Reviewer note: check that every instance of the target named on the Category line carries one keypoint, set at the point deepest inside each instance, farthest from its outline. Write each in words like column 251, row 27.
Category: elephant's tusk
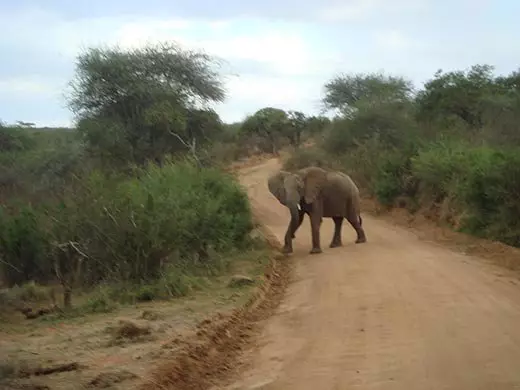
column 299, row 208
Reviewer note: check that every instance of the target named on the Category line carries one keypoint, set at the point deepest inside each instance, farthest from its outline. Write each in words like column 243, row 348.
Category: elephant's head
column 289, row 188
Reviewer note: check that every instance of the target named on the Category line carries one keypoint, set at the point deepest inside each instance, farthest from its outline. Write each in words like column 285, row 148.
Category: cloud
column 272, row 58
column 283, row 51
column 23, row 86
column 363, row 10
column 349, row 10
column 394, row 40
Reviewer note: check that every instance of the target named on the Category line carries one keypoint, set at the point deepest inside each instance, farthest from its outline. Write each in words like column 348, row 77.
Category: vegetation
column 450, row 150
column 135, row 198
column 131, row 199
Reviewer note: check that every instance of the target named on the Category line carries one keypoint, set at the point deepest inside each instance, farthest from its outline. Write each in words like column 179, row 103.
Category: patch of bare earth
column 114, row 350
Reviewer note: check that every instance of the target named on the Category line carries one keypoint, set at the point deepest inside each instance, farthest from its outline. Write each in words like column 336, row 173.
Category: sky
column 278, row 53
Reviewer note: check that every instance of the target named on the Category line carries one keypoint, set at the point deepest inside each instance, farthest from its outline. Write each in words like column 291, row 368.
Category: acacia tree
column 347, row 93
column 139, row 104
column 484, row 104
column 458, row 94
column 297, row 123
column 269, row 123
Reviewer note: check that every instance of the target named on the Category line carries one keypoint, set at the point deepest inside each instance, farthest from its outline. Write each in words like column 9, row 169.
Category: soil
column 408, row 309
column 114, row 350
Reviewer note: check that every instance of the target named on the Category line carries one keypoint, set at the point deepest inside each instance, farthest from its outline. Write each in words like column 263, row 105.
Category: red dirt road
column 394, row 313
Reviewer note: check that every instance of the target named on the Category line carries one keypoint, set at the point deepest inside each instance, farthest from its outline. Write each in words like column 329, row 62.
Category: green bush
column 393, row 177
column 24, row 246
column 489, row 193
column 304, row 157
column 130, row 228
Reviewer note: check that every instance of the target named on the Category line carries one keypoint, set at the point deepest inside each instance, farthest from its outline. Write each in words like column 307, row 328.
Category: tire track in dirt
column 393, row 313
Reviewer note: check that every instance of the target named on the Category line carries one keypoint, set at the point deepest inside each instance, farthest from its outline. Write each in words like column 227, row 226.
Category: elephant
column 318, row 193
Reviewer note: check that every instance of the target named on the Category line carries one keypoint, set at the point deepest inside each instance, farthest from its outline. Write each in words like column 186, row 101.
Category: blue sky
column 280, row 52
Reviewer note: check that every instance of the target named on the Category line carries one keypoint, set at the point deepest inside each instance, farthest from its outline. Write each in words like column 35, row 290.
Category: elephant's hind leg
column 356, row 222
column 336, row 239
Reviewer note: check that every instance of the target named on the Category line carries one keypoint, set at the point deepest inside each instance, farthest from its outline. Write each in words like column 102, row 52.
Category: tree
column 457, row 94
column 25, row 124
column 270, row 123
column 140, row 104
column 297, row 123
column 345, row 93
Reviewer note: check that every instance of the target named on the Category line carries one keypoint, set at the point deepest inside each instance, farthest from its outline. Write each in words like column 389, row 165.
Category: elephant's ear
column 314, row 179
column 293, row 186
column 276, row 186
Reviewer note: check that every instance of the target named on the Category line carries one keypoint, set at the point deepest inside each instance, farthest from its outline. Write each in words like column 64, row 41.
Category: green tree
column 141, row 104
column 459, row 95
column 345, row 93
column 269, row 123
column 297, row 124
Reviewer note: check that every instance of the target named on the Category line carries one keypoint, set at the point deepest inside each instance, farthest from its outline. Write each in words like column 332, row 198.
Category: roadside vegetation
column 135, row 200
column 450, row 150
column 136, row 204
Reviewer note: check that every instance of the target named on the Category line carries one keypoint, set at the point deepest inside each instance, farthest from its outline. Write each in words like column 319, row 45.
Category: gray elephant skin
column 318, row 193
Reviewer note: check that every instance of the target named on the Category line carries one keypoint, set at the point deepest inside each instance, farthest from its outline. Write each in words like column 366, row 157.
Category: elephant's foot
column 315, row 251
column 335, row 244
column 286, row 250
column 361, row 240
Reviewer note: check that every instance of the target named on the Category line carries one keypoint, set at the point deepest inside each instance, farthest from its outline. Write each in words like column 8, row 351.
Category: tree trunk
column 67, row 297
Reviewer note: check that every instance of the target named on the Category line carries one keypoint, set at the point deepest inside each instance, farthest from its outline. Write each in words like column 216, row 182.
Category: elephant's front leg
column 287, row 248
column 301, row 215
column 294, row 223
column 315, row 231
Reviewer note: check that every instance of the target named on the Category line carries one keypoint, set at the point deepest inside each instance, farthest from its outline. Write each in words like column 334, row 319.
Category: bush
column 393, row 177
column 131, row 228
column 24, row 246
column 304, row 157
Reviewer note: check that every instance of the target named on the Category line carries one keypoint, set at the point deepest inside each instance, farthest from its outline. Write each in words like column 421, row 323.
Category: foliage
column 345, row 93
column 453, row 147
column 23, row 246
column 139, row 105
column 302, row 158
column 130, row 229
column 268, row 122
column 277, row 126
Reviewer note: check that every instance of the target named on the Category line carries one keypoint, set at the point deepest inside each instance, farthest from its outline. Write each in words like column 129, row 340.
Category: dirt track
column 394, row 313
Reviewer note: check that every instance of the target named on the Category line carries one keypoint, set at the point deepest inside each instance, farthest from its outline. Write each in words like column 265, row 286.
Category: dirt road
column 394, row 313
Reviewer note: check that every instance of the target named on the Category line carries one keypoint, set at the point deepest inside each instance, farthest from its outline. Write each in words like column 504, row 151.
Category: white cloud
column 24, row 86
column 361, row 10
column 394, row 40
column 349, row 11
column 283, row 50
column 249, row 93
column 282, row 54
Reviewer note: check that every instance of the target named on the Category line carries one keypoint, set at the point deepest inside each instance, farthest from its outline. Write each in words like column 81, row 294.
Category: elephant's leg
column 287, row 248
column 315, row 230
column 301, row 215
column 336, row 240
column 356, row 222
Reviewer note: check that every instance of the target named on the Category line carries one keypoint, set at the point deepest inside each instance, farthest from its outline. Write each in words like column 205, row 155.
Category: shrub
column 393, row 177
column 24, row 246
column 304, row 157
column 130, row 228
